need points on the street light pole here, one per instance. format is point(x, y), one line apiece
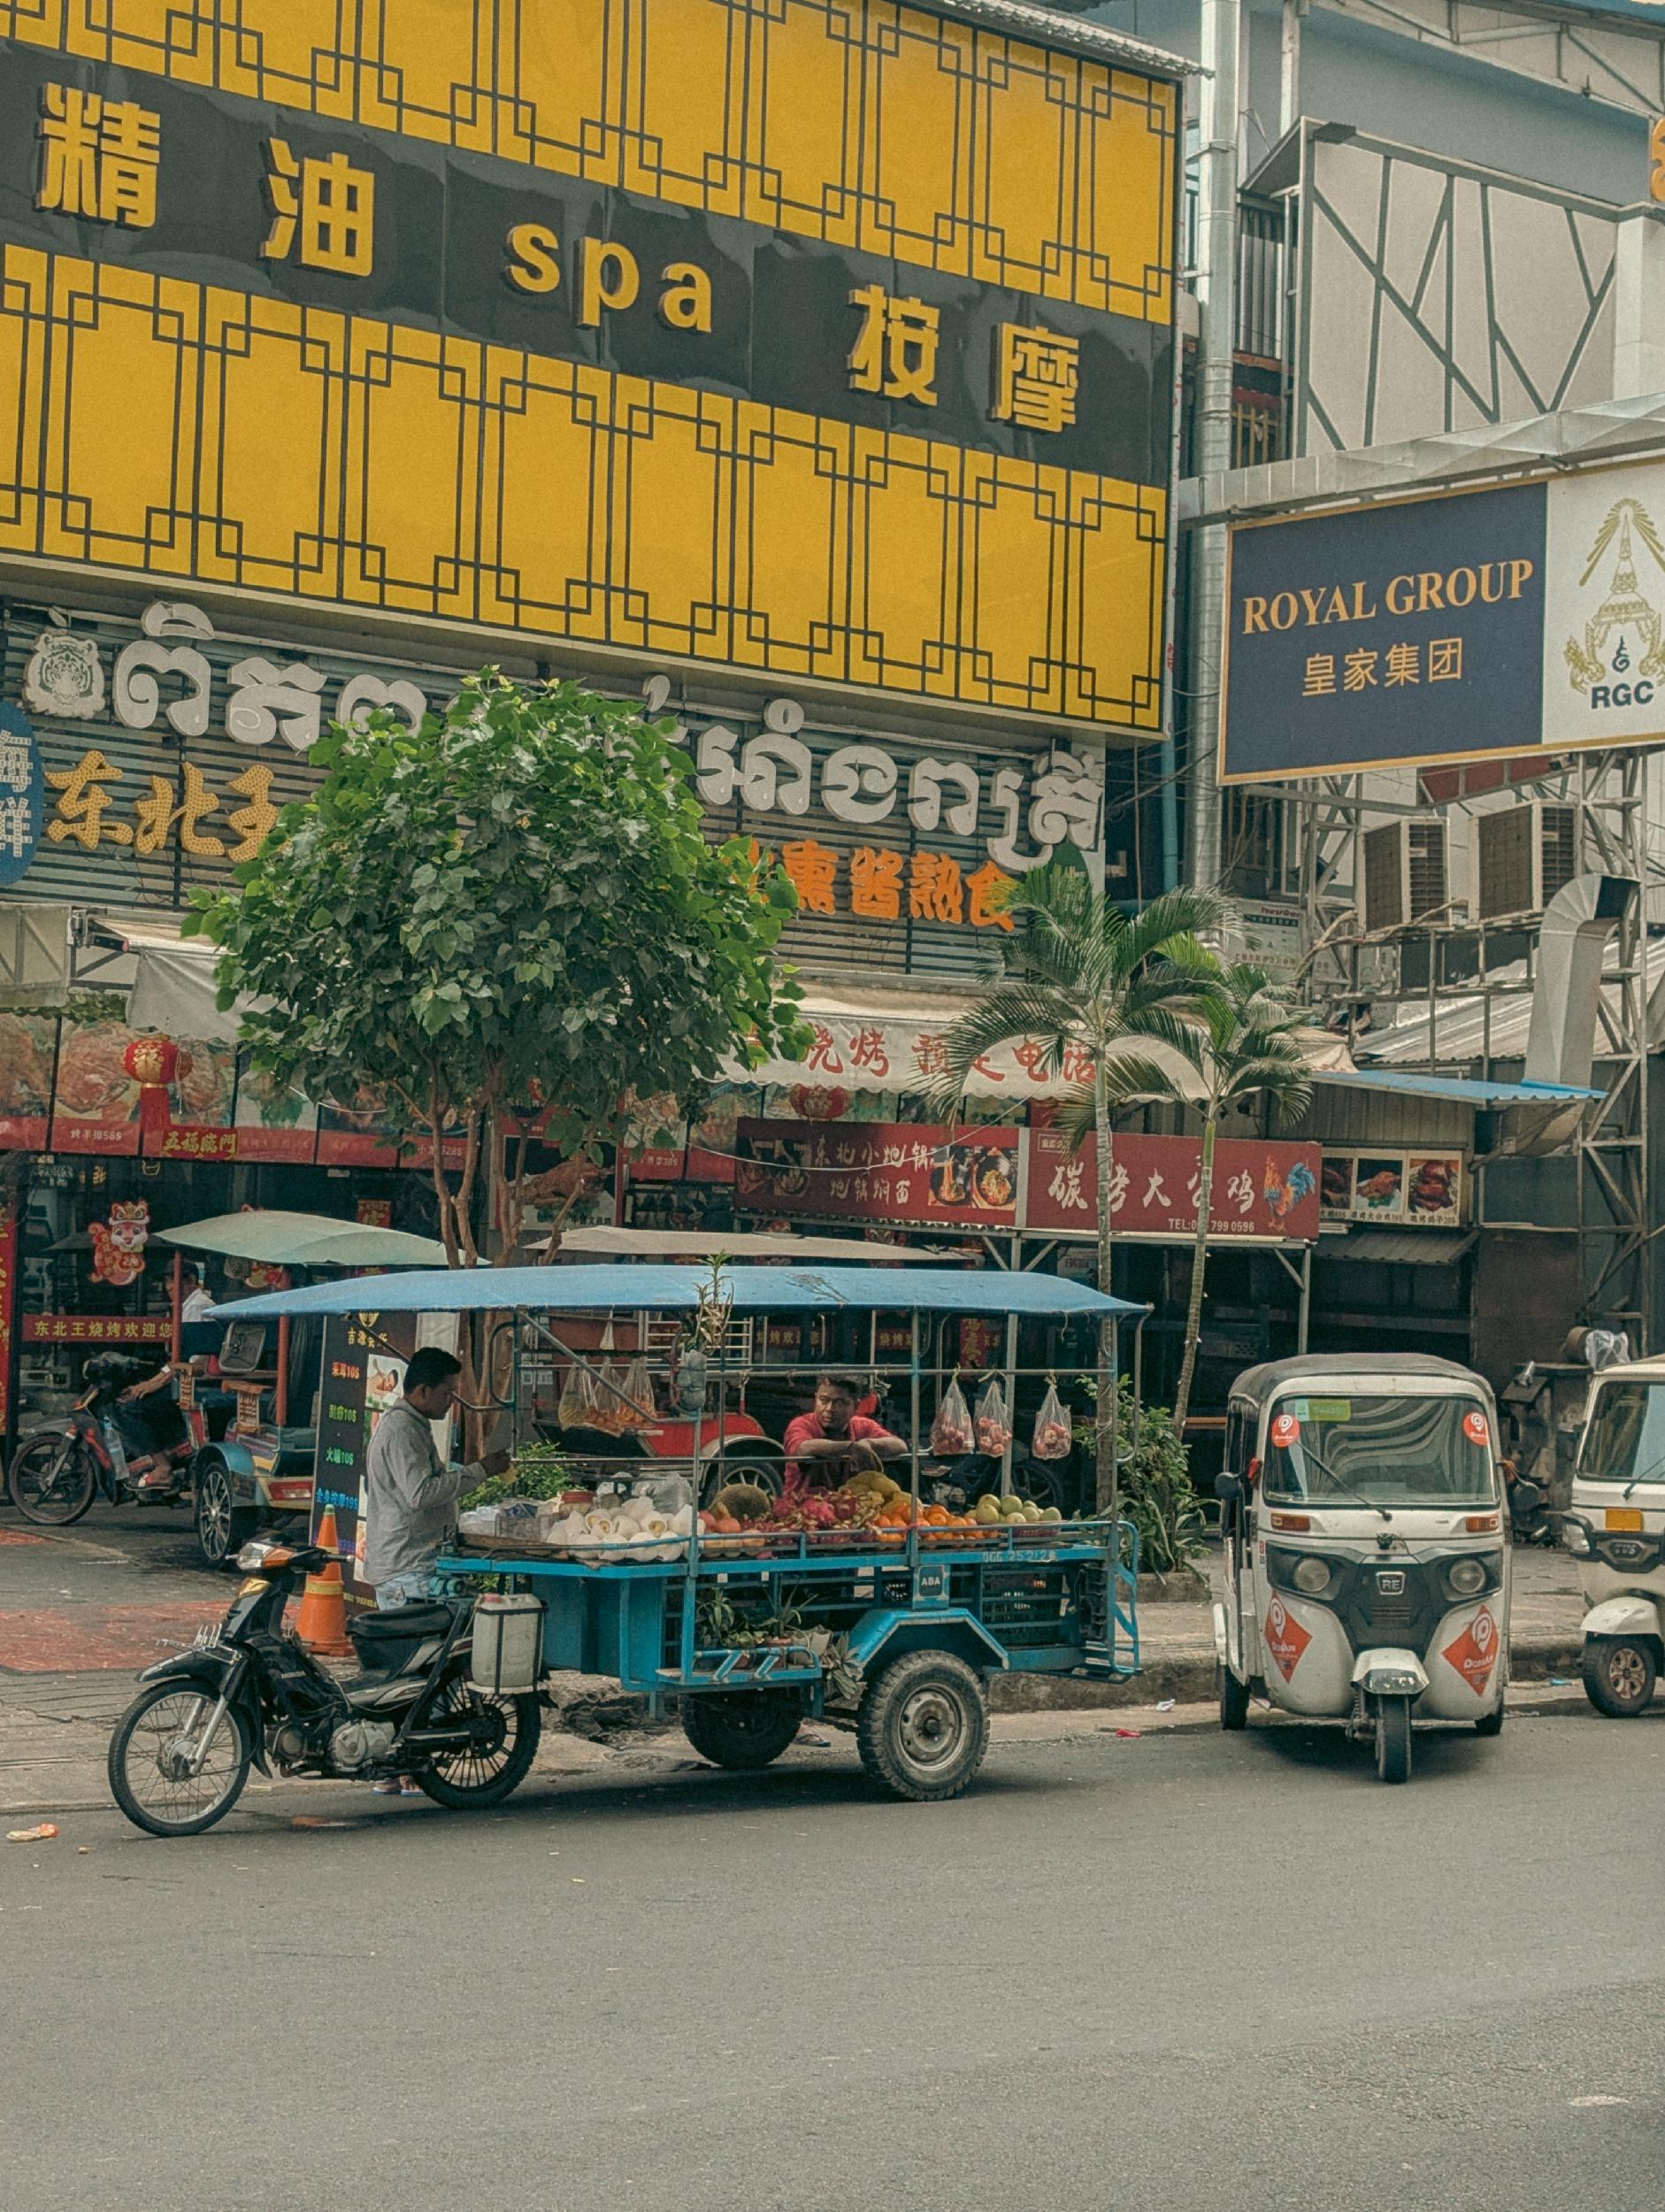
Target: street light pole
point(1217, 288)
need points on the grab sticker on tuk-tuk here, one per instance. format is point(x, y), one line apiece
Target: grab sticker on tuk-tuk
point(1285, 1637)
point(1475, 1652)
point(1286, 1429)
point(1475, 1428)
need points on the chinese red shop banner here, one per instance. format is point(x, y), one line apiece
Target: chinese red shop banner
point(927, 1175)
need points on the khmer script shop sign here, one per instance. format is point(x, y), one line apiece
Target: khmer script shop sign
point(1448, 628)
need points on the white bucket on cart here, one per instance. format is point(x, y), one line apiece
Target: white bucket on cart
point(508, 1645)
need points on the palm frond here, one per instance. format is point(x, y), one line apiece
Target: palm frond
point(1130, 1075)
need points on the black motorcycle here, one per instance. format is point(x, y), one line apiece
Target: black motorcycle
point(55, 1476)
point(248, 1694)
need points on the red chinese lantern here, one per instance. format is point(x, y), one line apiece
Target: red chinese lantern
point(154, 1062)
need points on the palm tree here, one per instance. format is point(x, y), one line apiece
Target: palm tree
point(1083, 979)
point(1234, 1040)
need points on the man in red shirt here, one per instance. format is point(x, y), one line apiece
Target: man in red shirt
point(820, 1445)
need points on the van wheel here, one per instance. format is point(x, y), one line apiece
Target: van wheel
point(1619, 1674)
point(1234, 1701)
point(1392, 1739)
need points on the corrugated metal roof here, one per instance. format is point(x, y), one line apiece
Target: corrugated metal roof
point(1470, 1090)
point(1052, 29)
point(1401, 1247)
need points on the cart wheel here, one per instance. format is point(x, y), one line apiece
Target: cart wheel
point(1491, 1724)
point(746, 1730)
point(1392, 1739)
point(1234, 1701)
point(1619, 1675)
point(223, 1526)
point(923, 1726)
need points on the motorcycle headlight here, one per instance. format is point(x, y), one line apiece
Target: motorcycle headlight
point(253, 1555)
point(1576, 1536)
point(1312, 1576)
point(1467, 1576)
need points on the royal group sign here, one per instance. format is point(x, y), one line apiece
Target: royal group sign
point(827, 341)
point(1448, 628)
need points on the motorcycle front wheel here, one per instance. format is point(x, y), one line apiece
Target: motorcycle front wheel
point(52, 1480)
point(505, 1732)
point(161, 1776)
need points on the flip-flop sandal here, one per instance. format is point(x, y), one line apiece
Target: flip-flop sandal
point(387, 1789)
point(410, 1789)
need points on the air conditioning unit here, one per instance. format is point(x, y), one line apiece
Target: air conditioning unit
point(1405, 874)
point(1524, 855)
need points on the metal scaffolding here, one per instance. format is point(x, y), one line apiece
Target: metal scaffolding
point(1470, 973)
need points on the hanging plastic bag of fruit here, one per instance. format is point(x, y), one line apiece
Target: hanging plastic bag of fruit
point(1052, 1438)
point(994, 1428)
point(577, 1406)
point(637, 1386)
point(951, 1431)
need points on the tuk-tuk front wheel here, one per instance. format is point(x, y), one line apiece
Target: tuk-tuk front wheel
point(1619, 1674)
point(223, 1526)
point(922, 1728)
point(1392, 1739)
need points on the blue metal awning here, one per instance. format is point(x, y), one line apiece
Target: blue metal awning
point(679, 1290)
point(1462, 1089)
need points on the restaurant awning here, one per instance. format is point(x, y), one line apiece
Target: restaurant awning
point(616, 1289)
point(276, 1238)
point(1399, 1248)
point(739, 1244)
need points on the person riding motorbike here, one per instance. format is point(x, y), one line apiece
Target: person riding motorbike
point(151, 1425)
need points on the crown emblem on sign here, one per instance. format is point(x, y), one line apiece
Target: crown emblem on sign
point(1625, 624)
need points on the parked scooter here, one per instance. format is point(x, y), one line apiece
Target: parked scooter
point(1614, 1527)
point(55, 1476)
point(247, 1694)
point(1531, 1519)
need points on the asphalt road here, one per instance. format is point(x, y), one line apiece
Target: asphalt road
point(1183, 1971)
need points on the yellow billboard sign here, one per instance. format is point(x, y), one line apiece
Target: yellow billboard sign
point(827, 340)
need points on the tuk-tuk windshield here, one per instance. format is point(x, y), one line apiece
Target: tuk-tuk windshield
point(1430, 1452)
point(1625, 1438)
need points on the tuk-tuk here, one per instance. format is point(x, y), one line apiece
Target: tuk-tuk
point(1367, 1574)
point(1614, 1527)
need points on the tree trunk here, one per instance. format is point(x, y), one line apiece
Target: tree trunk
point(1104, 1428)
point(1198, 1268)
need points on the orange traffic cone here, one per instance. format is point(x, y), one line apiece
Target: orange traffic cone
point(321, 1623)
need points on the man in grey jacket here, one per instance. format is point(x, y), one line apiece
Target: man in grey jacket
point(409, 1491)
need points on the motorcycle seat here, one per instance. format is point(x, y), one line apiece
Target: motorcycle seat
point(385, 1642)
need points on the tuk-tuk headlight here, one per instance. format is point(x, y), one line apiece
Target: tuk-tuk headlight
point(1467, 1576)
point(1311, 1576)
point(1576, 1536)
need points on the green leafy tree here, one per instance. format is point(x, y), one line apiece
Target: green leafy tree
point(1088, 982)
point(1235, 1041)
point(511, 907)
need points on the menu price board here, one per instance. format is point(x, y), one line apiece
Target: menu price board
point(365, 1357)
point(1421, 1189)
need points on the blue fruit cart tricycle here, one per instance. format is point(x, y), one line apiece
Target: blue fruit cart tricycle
point(849, 1599)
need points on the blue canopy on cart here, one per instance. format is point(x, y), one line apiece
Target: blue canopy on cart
point(678, 1289)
